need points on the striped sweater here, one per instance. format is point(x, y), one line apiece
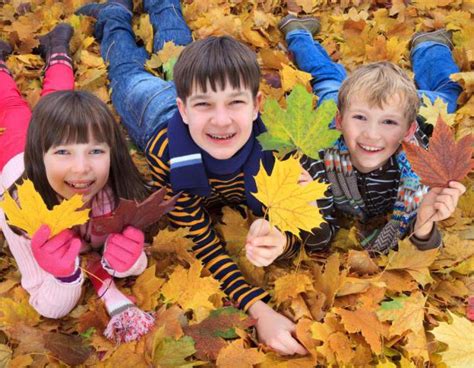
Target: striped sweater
point(378, 189)
point(193, 211)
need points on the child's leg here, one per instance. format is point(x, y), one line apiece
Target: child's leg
point(168, 23)
point(58, 77)
point(142, 100)
point(14, 118)
point(311, 57)
point(433, 63)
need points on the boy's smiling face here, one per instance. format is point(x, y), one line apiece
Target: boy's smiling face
point(372, 133)
point(220, 122)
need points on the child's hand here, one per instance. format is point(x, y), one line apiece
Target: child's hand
point(123, 250)
point(305, 178)
point(275, 330)
point(57, 255)
point(264, 243)
point(437, 205)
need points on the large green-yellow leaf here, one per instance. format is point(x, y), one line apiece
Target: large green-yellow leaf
point(299, 127)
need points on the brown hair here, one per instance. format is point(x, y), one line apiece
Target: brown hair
point(378, 82)
point(66, 117)
point(216, 60)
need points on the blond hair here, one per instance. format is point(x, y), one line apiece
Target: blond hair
point(378, 82)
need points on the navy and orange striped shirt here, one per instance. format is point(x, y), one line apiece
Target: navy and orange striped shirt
point(192, 211)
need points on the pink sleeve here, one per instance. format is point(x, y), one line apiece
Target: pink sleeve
point(50, 297)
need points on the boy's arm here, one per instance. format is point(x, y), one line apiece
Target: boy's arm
point(433, 240)
point(208, 247)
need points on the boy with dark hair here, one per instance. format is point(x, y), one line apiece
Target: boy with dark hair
point(199, 136)
point(369, 175)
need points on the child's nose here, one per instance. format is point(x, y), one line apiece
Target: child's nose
point(81, 164)
point(221, 116)
point(372, 131)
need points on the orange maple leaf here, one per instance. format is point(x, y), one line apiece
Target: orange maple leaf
point(445, 160)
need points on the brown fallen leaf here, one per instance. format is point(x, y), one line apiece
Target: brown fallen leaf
point(445, 160)
point(140, 215)
point(69, 349)
point(209, 335)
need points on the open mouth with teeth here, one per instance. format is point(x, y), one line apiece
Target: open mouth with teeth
point(80, 185)
point(370, 148)
point(221, 137)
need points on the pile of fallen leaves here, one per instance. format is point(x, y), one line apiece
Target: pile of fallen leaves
point(405, 309)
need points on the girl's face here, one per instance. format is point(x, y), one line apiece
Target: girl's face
point(80, 168)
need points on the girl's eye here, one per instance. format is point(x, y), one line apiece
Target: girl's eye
point(97, 151)
point(61, 152)
point(390, 122)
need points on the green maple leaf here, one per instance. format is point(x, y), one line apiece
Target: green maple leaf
point(299, 127)
point(171, 353)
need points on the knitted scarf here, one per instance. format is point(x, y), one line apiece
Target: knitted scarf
point(190, 165)
point(347, 197)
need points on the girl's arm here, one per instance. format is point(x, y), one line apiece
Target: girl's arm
point(50, 297)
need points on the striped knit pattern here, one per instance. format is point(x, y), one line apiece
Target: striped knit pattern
point(59, 58)
point(192, 211)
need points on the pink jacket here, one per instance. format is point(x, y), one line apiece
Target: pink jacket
point(49, 296)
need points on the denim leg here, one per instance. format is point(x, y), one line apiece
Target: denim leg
point(142, 100)
point(433, 63)
point(168, 23)
point(311, 57)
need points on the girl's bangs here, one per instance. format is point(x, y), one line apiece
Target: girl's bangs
point(79, 125)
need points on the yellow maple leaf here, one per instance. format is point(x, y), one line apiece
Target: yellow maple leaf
point(432, 111)
point(290, 77)
point(465, 79)
point(147, 289)
point(13, 312)
point(2, 130)
point(365, 322)
point(458, 337)
point(235, 353)
point(412, 260)
point(289, 286)
point(33, 211)
point(288, 203)
point(197, 293)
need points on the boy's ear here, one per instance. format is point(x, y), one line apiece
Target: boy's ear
point(257, 104)
point(182, 109)
point(410, 132)
point(338, 120)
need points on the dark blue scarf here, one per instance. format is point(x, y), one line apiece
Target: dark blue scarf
point(189, 164)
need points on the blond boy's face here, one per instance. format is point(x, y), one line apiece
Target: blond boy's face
point(373, 134)
point(220, 122)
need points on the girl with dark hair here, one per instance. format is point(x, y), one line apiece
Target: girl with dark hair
point(73, 146)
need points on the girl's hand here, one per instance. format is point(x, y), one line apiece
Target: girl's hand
point(437, 205)
point(123, 250)
point(264, 243)
point(57, 255)
point(275, 330)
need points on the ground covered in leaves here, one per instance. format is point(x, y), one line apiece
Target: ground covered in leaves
point(402, 310)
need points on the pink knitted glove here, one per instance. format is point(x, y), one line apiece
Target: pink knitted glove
point(57, 255)
point(122, 250)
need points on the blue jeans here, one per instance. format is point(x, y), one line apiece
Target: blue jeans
point(432, 64)
point(143, 101)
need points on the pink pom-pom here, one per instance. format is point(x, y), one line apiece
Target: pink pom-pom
point(129, 325)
